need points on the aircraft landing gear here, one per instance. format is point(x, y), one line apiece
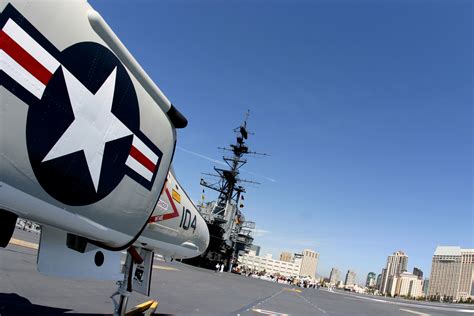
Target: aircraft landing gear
point(131, 275)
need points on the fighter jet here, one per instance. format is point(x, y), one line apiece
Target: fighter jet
point(86, 144)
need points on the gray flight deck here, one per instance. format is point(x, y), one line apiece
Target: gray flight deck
point(184, 290)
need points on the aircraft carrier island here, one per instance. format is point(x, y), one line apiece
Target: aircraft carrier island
point(230, 232)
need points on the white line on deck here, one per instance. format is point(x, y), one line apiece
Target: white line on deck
point(414, 312)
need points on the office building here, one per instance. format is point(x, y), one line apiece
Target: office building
point(466, 278)
point(269, 265)
point(383, 275)
point(309, 263)
point(255, 249)
point(426, 284)
point(334, 276)
point(350, 278)
point(418, 273)
point(452, 274)
point(371, 280)
point(379, 281)
point(396, 264)
point(286, 256)
point(405, 284)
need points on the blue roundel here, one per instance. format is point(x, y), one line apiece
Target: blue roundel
point(79, 135)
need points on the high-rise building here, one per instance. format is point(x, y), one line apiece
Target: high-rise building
point(396, 264)
point(426, 284)
point(350, 278)
point(466, 280)
point(383, 275)
point(405, 284)
point(286, 256)
point(418, 273)
point(379, 281)
point(371, 280)
point(256, 249)
point(452, 274)
point(334, 276)
point(309, 263)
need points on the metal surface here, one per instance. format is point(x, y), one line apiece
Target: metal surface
point(175, 229)
point(60, 181)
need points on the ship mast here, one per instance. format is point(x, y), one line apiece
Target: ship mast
point(229, 231)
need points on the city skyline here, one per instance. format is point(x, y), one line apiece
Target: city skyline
point(371, 138)
point(421, 274)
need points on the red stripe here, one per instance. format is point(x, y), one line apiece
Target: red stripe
point(141, 158)
point(23, 58)
point(175, 211)
point(164, 217)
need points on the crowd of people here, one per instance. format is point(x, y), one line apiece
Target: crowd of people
point(294, 280)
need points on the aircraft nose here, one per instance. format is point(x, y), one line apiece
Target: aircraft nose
point(201, 235)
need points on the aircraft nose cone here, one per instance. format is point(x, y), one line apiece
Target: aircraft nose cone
point(202, 235)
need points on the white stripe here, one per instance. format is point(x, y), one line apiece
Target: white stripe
point(414, 312)
point(21, 75)
point(30, 45)
point(138, 144)
point(139, 168)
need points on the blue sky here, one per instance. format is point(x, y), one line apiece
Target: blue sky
point(365, 108)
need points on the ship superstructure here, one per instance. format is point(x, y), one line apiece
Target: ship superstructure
point(230, 232)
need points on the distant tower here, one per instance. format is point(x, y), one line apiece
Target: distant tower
point(396, 264)
point(256, 249)
point(371, 280)
point(309, 263)
point(418, 273)
point(286, 256)
point(334, 276)
point(350, 278)
point(379, 281)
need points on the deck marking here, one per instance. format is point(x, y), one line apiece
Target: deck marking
point(312, 304)
point(265, 312)
point(164, 268)
point(414, 312)
point(441, 308)
point(22, 243)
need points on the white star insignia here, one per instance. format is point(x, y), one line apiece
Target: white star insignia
point(94, 124)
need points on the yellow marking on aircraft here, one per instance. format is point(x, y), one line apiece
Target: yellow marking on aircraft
point(140, 308)
point(22, 243)
point(151, 310)
point(176, 196)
